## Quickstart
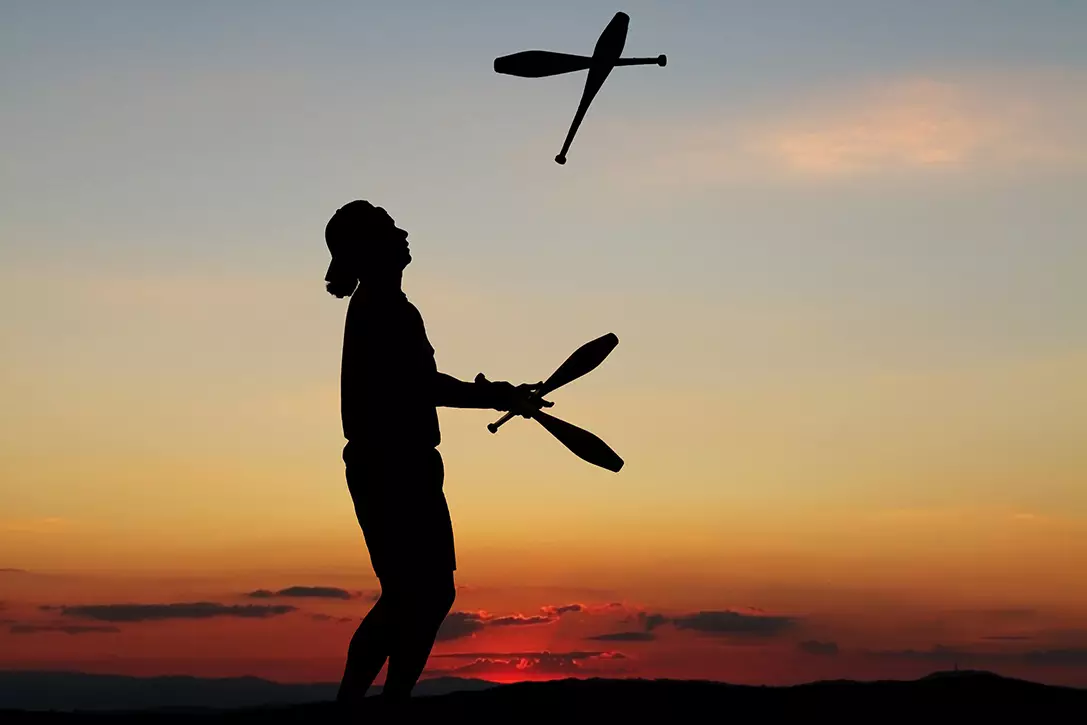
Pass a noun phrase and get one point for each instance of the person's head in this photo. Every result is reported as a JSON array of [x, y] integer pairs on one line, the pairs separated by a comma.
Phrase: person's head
[[365, 244]]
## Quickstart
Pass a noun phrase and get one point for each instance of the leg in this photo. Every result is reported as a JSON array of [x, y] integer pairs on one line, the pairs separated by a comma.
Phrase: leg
[[367, 653], [425, 603]]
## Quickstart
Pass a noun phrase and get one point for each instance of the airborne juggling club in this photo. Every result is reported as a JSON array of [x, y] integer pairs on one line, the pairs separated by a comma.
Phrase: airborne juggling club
[[540, 63], [580, 442]]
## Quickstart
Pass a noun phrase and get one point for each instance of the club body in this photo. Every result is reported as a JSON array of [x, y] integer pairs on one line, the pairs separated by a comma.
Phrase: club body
[[581, 362], [607, 51], [580, 442]]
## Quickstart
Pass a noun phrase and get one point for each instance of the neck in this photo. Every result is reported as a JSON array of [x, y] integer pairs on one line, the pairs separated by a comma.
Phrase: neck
[[383, 284]]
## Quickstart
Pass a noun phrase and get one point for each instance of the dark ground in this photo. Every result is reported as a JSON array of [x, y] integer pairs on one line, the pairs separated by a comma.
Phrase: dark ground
[[950, 697]]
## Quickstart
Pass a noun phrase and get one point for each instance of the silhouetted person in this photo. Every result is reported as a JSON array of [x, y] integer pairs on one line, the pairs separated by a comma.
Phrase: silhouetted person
[[389, 390]]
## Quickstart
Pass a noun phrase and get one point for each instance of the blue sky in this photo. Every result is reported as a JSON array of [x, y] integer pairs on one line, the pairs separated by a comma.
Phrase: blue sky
[[845, 234]]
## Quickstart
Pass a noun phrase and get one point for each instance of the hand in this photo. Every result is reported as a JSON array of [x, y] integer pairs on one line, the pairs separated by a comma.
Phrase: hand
[[520, 400]]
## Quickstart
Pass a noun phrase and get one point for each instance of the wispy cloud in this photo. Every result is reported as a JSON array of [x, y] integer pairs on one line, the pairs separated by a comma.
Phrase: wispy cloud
[[519, 620], [302, 592], [734, 623], [321, 617], [906, 125], [70, 629], [725, 622], [558, 611], [624, 637], [526, 665], [916, 124], [822, 649], [466, 624]]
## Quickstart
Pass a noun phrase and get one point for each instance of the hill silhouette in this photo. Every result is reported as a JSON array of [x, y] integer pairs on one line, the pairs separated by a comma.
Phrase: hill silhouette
[[943, 697], [58, 690]]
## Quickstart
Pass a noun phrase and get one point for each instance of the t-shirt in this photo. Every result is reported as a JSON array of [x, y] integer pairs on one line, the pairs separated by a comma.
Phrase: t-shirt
[[387, 375]]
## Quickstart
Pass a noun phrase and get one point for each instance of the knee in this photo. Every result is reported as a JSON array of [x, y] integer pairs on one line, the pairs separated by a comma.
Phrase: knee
[[439, 597], [448, 592], [425, 596]]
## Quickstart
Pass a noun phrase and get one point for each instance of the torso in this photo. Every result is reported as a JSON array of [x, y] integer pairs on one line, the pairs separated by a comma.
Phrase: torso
[[387, 367]]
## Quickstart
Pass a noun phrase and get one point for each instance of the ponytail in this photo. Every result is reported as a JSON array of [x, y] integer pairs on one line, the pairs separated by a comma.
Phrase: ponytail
[[340, 283]]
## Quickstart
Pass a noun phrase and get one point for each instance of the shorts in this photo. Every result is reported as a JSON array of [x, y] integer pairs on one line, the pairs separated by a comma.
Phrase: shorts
[[402, 510]]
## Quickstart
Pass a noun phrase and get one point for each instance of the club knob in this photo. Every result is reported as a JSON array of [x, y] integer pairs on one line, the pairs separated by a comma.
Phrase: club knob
[[492, 427], [560, 159], [662, 60]]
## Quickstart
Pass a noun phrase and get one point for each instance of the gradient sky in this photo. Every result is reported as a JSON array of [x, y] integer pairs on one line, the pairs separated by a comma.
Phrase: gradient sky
[[841, 243]]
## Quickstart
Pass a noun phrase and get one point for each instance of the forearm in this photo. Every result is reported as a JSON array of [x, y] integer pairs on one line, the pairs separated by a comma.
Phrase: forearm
[[449, 392]]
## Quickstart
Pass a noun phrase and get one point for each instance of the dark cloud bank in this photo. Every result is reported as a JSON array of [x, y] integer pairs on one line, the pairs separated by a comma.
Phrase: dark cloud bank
[[158, 612], [302, 592]]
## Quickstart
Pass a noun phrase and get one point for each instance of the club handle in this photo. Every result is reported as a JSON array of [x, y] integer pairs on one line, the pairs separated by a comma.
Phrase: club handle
[[493, 427], [661, 60]]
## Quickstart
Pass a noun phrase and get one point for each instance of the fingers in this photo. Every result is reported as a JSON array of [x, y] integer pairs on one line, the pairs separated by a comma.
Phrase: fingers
[[530, 406]]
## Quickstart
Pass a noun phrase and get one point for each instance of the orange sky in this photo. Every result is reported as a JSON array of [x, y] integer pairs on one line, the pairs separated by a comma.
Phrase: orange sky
[[764, 618], [841, 247]]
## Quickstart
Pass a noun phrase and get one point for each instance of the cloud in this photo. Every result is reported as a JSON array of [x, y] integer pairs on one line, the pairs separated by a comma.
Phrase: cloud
[[1061, 657], [907, 125], [825, 649], [624, 637], [12, 570], [918, 125], [466, 624], [564, 609], [317, 616], [72, 629], [733, 623], [460, 624], [1008, 637], [725, 623], [315, 592], [519, 620], [526, 664], [186, 610]]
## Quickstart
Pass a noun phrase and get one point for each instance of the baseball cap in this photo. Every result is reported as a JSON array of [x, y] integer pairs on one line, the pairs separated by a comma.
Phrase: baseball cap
[[338, 231]]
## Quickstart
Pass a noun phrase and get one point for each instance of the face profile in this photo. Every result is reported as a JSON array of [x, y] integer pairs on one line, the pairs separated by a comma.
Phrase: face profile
[[390, 242]]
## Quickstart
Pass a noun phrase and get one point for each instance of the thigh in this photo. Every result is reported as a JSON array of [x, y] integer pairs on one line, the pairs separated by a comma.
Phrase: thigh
[[404, 516]]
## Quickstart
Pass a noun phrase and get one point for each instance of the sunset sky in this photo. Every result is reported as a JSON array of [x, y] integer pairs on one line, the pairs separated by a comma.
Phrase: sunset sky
[[842, 245]]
